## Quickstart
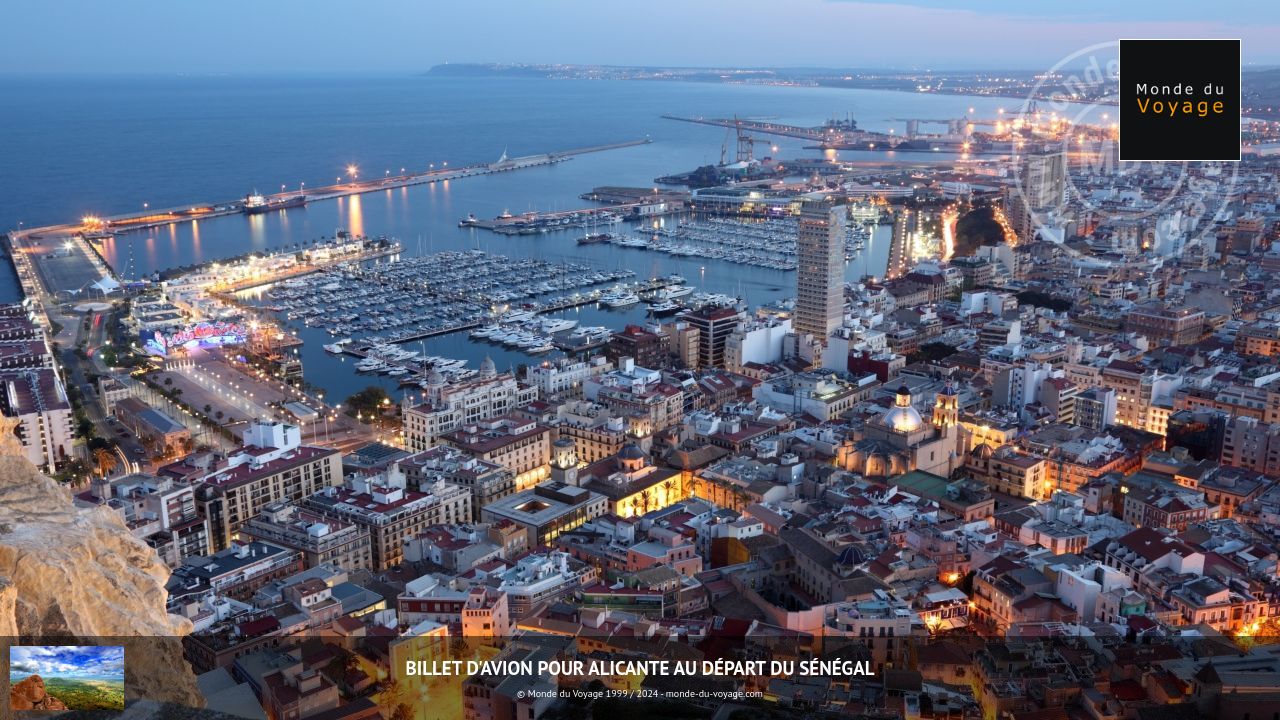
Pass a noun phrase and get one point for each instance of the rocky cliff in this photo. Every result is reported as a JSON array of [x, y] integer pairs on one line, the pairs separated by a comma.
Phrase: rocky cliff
[[69, 573], [29, 694]]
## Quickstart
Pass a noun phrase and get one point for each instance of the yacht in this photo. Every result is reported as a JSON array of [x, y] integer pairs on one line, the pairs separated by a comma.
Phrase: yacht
[[664, 307], [555, 325], [618, 300], [671, 292]]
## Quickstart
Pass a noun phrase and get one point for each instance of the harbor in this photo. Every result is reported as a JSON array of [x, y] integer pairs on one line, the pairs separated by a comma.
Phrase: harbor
[[254, 203], [767, 243]]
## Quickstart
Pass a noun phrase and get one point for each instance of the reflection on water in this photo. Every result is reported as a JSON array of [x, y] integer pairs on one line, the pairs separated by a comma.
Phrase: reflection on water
[[351, 213], [257, 229]]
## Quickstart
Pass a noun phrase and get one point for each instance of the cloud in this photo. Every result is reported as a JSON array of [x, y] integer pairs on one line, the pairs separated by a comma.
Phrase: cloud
[[67, 661]]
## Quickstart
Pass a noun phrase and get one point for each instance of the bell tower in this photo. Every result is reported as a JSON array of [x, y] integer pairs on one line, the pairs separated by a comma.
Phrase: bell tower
[[564, 461], [946, 411]]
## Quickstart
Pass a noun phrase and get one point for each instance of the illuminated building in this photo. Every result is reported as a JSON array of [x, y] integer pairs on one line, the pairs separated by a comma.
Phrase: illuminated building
[[820, 271], [900, 441], [272, 465], [547, 510], [1041, 190], [389, 511], [449, 406], [632, 484], [714, 326], [517, 444], [905, 225]]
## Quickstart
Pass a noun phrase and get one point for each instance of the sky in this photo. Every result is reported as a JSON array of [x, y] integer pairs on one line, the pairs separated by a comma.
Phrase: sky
[[244, 37], [66, 661]]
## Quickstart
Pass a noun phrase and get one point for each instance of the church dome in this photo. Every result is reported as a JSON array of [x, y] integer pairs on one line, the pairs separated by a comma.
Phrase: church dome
[[631, 451], [903, 419], [851, 555], [487, 368], [435, 377]]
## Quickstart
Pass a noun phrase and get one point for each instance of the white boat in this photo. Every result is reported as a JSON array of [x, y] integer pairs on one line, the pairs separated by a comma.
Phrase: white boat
[[664, 307], [555, 325], [334, 348], [671, 292], [620, 300]]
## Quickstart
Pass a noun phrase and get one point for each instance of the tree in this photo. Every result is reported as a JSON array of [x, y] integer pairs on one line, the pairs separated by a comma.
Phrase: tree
[[168, 381], [105, 460], [208, 408], [218, 415], [368, 401]]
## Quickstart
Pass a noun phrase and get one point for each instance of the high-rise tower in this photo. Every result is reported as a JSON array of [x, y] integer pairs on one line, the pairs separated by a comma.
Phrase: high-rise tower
[[820, 275], [905, 224]]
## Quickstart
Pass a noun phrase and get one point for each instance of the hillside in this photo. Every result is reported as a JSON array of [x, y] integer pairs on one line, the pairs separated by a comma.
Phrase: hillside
[[86, 694]]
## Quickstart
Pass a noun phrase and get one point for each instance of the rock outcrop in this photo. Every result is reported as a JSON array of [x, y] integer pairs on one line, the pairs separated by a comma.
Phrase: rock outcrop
[[29, 694], [69, 573]]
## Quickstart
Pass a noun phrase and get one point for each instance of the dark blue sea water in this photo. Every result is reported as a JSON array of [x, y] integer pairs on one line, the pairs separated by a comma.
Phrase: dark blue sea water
[[105, 146]]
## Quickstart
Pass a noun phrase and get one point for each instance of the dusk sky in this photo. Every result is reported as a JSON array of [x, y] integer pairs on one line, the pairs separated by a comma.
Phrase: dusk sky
[[380, 36], [66, 661]]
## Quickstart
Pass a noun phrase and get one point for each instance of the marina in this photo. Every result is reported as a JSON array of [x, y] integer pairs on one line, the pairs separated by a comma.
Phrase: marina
[[423, 296], [768, 243], [503, 300]]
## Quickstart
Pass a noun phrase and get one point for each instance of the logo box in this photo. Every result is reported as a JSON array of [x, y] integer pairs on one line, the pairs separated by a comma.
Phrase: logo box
[[1180, 100]]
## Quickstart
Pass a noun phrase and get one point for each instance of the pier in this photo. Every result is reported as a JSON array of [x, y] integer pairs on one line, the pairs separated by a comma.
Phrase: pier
[[534, 223], [296, 271], [153, 218], [566, 303], [33, 247]]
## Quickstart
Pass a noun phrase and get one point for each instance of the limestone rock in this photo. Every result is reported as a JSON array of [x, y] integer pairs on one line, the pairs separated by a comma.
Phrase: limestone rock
[[69, 573]]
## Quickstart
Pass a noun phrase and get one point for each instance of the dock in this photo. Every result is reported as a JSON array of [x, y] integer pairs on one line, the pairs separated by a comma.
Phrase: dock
[[38, 241], [310, 268]]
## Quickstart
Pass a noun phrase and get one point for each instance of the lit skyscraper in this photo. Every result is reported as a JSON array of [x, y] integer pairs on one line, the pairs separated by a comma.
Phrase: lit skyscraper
[[1041, 190], [820, 275], [906, 223]]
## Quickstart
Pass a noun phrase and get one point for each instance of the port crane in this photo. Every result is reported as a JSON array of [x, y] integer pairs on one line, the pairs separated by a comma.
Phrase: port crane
[[746, 144]]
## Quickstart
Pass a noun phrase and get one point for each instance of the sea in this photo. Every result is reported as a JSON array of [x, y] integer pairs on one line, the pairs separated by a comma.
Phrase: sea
[[100, 146]]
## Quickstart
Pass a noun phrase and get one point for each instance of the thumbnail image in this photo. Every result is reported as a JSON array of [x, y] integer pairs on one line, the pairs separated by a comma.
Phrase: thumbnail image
[[66, 677]]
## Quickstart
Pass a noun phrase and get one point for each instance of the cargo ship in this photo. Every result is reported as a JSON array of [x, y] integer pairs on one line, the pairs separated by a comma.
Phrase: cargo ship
[[593, 238], [255, 203]]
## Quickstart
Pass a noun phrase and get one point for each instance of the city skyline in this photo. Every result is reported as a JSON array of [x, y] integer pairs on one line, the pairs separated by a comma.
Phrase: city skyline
[[572, 361]]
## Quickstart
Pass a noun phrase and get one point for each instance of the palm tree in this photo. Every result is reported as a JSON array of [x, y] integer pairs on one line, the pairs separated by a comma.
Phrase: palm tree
[[106, 461], [694, 484]]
